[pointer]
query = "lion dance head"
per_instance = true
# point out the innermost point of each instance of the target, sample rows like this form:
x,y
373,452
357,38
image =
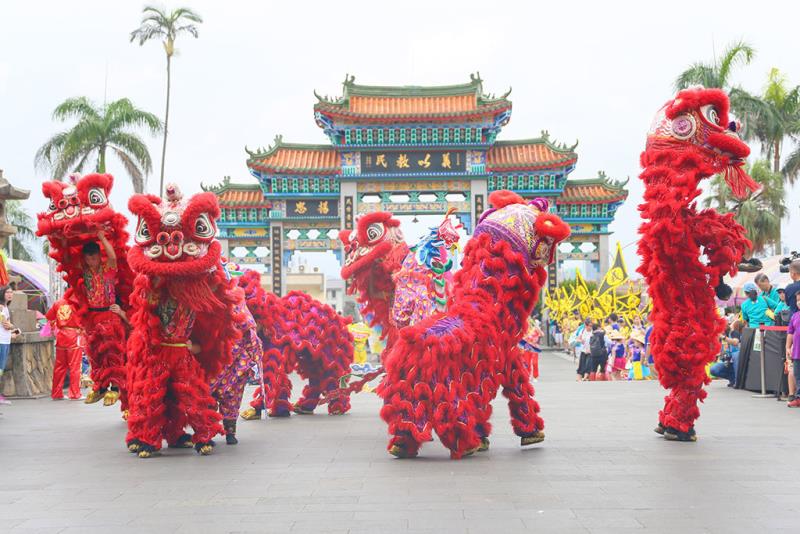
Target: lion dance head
x,y
698,119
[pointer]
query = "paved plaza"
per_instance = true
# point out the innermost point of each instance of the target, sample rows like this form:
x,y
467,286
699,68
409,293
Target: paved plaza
x,y
64,468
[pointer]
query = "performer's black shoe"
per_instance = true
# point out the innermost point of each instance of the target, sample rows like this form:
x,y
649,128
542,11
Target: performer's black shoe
x,y
302,411
659,429
230,431
484,446
752,265
532,439
723,290
673,434
183,442
146,451
134,446
204,448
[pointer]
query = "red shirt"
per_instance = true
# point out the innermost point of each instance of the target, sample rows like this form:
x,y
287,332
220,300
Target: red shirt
x,y
66,323
100,286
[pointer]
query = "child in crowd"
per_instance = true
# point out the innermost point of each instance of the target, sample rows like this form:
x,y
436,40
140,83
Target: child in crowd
x,y
640,369
530,344
618,356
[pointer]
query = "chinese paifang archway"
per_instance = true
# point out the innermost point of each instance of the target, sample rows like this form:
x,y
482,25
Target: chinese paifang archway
x,y
412,151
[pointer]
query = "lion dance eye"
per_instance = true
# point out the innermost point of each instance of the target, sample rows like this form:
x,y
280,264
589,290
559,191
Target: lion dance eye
x,y
97,197
142,233
683,127
52,206
711,114
203,227
374,232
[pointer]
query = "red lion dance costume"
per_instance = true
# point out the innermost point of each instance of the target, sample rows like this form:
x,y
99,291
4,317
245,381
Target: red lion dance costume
x,y
691,139
396,284
183,322
299,334
76,213
443,372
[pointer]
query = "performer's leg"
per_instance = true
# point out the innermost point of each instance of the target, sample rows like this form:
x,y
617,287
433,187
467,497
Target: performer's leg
x,y
688,346
106,348
331,369
277,384
74,366
311,393
228,391
96,370
407,419
517,388
59,372
148,412
193,396
175,426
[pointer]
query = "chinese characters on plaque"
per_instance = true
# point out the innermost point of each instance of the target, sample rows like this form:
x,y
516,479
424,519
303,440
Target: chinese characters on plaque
x,y
313,208
413,161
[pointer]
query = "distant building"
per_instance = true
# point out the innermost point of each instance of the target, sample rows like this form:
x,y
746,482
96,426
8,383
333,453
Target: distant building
x,y
412,151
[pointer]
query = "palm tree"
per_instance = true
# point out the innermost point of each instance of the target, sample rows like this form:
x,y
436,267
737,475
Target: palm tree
x,y
19,245
98,130
158,24
760,214
716,74
772,117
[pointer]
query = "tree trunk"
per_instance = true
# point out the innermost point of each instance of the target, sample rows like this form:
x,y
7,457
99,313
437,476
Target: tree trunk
x,y
101,160
776,167
166,128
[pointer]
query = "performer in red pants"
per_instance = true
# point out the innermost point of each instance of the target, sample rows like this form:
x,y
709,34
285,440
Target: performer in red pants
x,y
67,327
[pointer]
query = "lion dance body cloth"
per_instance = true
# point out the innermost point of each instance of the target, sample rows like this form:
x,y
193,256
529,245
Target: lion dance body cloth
x,y
691,138
298,333
77,212
443,372
184,322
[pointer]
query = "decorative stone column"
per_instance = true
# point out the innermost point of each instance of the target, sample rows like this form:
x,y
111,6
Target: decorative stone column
x,y
8,192
29,370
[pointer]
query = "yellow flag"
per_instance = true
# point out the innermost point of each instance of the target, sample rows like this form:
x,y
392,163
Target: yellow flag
x,y
616,275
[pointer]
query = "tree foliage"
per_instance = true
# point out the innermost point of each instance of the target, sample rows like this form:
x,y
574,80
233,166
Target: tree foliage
x,y
98,130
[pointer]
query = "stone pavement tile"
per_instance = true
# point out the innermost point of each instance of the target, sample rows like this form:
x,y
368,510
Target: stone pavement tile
x,y
58,519
163,529
600,529
495,525
389,524
610,518
43,530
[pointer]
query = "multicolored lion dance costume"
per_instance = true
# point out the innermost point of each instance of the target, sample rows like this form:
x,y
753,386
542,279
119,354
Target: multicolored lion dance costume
x,y
228,387
300,334
397,285
443,372
690,139
77,211
183,322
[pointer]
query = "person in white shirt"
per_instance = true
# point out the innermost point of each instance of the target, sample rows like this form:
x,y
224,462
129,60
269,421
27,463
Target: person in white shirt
x,y
583,335
7,331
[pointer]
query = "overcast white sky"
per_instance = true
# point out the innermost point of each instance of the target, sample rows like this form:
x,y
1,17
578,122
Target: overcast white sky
x,y
591,71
